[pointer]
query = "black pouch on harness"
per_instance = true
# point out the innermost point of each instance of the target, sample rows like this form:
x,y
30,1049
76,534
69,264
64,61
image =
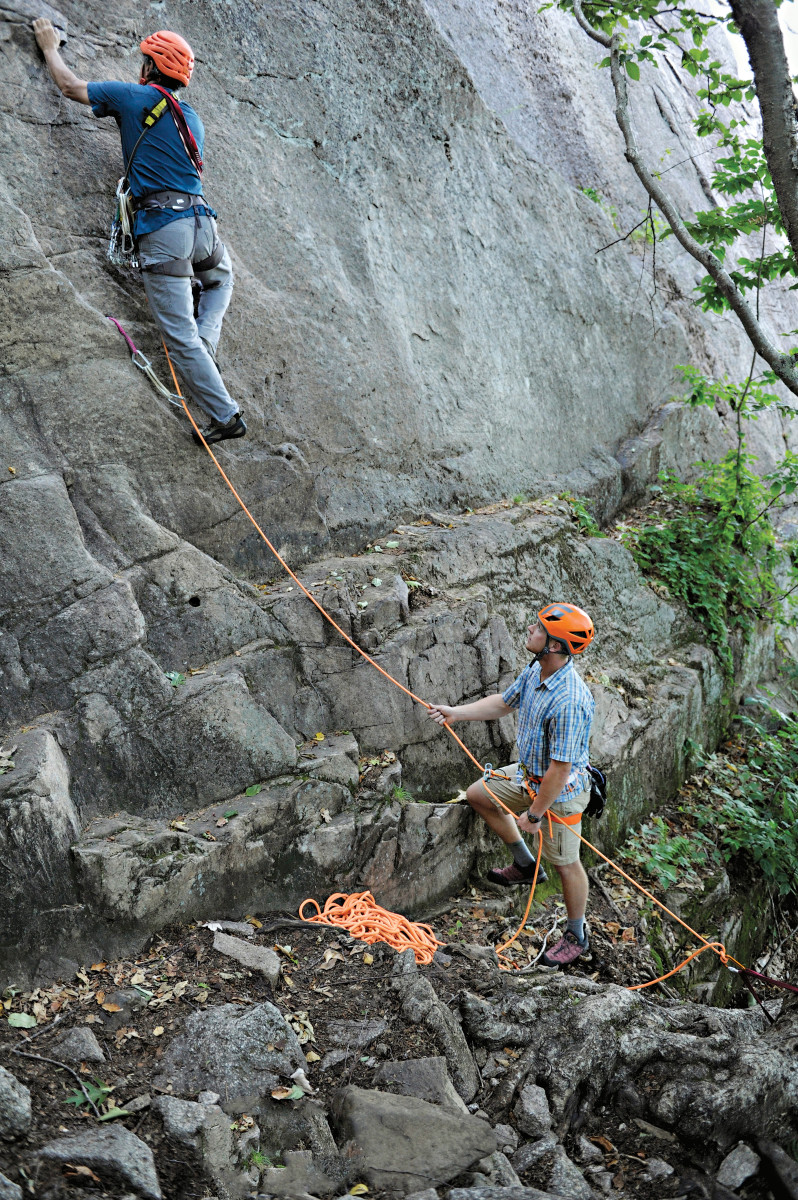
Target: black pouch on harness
x,y
598,793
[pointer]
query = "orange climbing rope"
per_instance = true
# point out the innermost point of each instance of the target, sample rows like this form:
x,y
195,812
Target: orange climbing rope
x,y
355,911
363,918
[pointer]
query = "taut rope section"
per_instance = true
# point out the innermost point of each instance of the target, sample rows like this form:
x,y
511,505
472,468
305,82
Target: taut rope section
x,y
359,911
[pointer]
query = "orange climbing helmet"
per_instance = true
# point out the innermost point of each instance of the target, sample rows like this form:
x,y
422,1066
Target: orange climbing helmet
x,y
568,624
171,54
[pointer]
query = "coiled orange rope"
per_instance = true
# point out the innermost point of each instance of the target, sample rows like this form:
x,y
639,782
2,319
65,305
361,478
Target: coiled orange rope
x,y
363,918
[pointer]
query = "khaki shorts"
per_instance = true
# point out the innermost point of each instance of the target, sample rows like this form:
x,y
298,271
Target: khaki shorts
x,y
562,848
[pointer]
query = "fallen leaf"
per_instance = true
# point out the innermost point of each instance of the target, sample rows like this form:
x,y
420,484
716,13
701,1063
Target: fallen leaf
x,y
209,837
113,1112
360,1189
628,935
72,1172
312,1056
323,991
111,1008
288,981
229,813
180,826
220,824
376,583
391,545
301,1080
254,922
605,1144
180,987
100,997
157,1031
100,966
139,977
318,737
252,790
331,957
368,959
13,471
325,816
175,678
288,1093
21,1021
302,1027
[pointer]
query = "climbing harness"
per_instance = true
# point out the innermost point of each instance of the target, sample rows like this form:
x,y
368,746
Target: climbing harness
x,y
344,910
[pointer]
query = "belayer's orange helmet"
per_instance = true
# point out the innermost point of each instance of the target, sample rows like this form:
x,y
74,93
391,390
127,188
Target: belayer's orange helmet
x,y
171,54
568,624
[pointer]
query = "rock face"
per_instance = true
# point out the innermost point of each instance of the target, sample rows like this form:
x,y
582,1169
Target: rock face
x,y
434,331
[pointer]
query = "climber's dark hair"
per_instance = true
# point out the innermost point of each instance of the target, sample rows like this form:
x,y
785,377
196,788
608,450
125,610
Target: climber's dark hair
x,y
155,76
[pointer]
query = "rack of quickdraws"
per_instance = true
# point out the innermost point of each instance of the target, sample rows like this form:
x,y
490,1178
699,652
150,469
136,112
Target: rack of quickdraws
x,y
122,244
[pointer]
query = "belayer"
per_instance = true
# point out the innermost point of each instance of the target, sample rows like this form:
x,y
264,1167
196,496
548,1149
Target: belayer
x,y
173,226
555,712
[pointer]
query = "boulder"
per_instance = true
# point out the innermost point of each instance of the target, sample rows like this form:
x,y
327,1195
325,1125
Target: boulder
x,y
9,1190
566,1179
421,1005
241,1053
114,1152
404,1144
204,1131
15,1107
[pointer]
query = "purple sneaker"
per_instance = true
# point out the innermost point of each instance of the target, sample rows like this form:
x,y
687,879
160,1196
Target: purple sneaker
x,y
512,875
566,951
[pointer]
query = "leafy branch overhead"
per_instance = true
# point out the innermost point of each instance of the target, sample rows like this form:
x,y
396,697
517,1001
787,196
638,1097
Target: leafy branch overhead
x,y
756,178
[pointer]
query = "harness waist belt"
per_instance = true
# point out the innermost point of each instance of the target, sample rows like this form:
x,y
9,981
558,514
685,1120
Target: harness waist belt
x,y
157,201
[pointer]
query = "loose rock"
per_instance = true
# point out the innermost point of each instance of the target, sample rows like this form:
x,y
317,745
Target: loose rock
x,y
79,1045
257,958
531,1111
400,1142
115,1152
426,1078
738,1166
15,1111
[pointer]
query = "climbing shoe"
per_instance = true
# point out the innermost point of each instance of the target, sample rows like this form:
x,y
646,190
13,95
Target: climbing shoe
x,y
512,875
566,950
215,431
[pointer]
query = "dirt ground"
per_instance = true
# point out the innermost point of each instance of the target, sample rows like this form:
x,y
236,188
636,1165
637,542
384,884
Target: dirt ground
x,y
180,973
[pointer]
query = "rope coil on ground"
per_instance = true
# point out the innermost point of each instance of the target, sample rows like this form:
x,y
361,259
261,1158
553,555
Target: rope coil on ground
x,y
363,918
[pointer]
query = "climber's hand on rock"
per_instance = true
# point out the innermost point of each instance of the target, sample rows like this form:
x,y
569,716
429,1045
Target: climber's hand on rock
x,y
441,714
47,37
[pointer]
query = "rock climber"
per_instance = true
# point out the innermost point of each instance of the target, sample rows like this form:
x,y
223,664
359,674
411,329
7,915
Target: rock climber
x,y
175,229
555,712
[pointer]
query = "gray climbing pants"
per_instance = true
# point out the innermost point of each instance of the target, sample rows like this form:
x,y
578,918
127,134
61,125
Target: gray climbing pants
x,y
192,343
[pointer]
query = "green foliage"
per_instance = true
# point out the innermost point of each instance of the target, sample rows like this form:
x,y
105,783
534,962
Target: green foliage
x,y
711,542
754,807
96,1091
402,795
581,511
667,857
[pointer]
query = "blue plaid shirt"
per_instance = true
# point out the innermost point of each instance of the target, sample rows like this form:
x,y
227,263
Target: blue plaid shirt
x,y
554,719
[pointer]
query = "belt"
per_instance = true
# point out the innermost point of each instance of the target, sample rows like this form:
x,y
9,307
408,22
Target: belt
x,y
157,201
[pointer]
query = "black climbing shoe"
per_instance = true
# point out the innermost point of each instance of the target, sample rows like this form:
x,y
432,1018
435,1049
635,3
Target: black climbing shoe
x,y
216,432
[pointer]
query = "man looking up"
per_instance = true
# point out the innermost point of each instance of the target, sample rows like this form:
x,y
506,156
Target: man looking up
x,y
175,230
555,712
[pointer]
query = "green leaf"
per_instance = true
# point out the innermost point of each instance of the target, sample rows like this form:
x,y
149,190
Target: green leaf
x,y
251,791
21,1021
175,678
114,1112
632,69
229,813
376,583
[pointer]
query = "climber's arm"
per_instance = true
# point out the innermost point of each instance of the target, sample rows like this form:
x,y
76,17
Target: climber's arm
x,y
66,81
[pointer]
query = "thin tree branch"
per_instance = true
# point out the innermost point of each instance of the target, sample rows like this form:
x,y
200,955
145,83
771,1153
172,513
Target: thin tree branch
x,y
55,1062
781,364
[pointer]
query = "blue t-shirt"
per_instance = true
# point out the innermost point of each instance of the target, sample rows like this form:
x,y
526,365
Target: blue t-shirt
x,y
161,162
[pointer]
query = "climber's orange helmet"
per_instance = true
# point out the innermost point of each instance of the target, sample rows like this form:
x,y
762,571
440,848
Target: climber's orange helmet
x,y
569,624
171,54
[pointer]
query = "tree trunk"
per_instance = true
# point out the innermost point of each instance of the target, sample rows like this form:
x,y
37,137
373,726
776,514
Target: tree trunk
x,y
758,23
